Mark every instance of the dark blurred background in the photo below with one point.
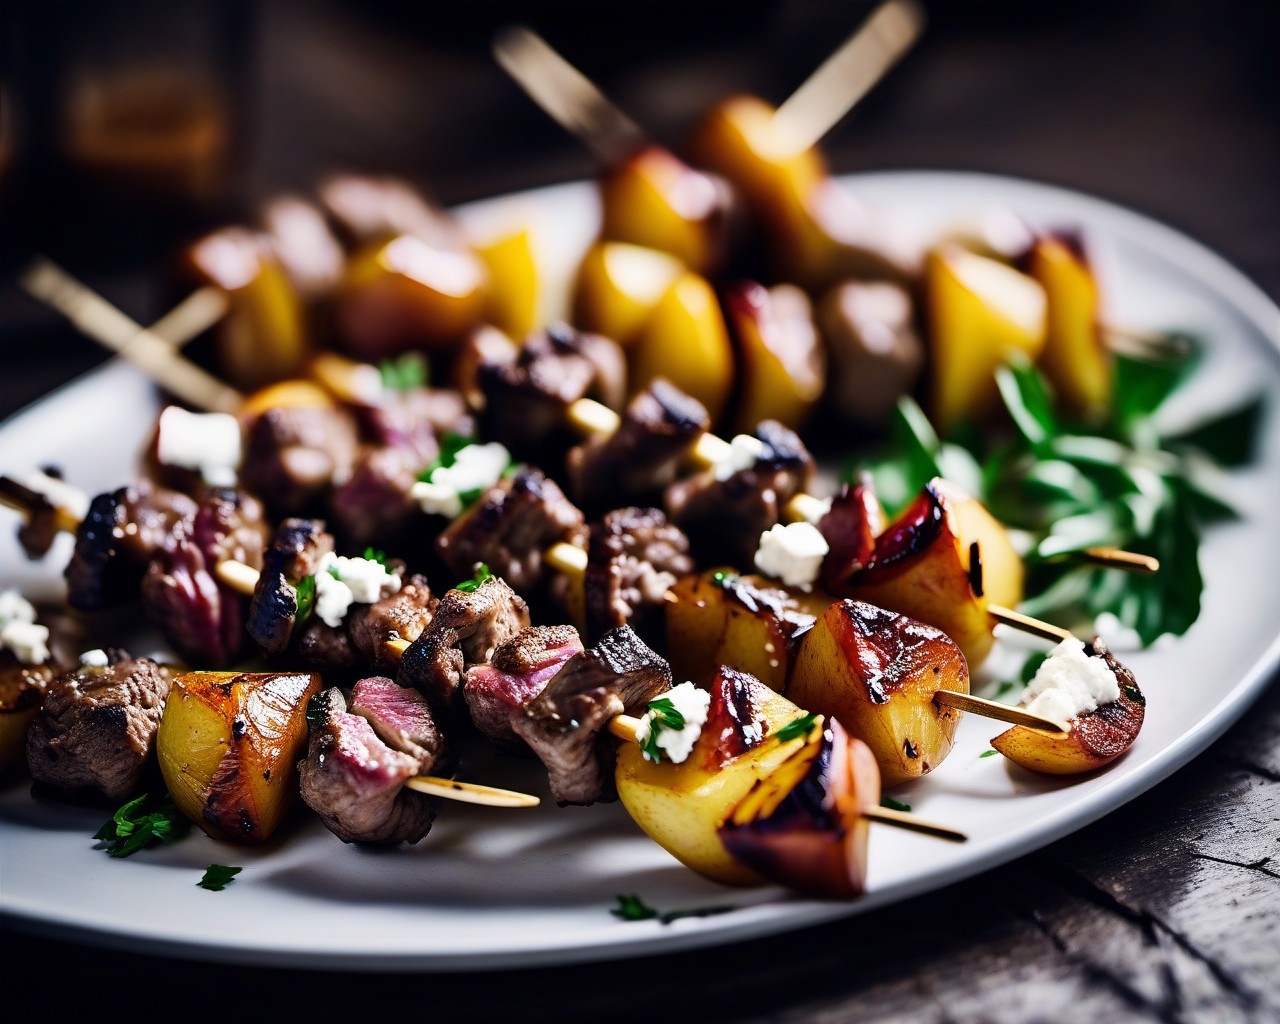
(127, 126)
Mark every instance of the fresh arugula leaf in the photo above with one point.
(140, 823)
(1026, 397)
(406, 373)
(218, 876)
(895, 805)
(632, 908)
(797, 728)
(1141, 386)
(1230, 439)
(305, 595)
(916, 441)
(472, 585)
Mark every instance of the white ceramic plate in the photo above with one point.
(494, 889)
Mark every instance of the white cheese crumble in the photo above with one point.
(475, 468)
(97, 658)
(206, 442)
(342, 582)
(19, 631)
(742, 454)
(692, 703)
(1070, 683)
(60, 493)
(792, 553)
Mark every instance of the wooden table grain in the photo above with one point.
(1166, 910)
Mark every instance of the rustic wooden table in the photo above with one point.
(1168, 909)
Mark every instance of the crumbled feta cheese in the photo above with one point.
(60, 493)
(97, 658)
(692, 703)
(475, 468)
(792, 553)
(743, 452)
(15, 607)
(206, 442)
(28, 640)
(342, 582)
(1070, 683)
(333, 599)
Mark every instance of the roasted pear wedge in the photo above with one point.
(943, 562)
(1093, 739)
(745, 622)
(229, 745)
(802, 825)
(682, 806)
(877, 673)
(513, 299)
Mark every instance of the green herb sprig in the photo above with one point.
(405, 373)
(632, 908)
(797, 728)
(140, 823)
(895, 805)
(663, 714)
(472, 585)
(218, 876)
(305, 589)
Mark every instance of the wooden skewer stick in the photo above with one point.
(848, 74)
(623, 727)
(1027, 624)
(566, 94)
(191, 317)
(993, 709)
(24, 499)
(1119, 558)
(100, 320)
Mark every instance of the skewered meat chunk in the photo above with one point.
(415, 420)
(293, 454)
(355, 781)
(520, 668)
(296, 552)
(509, 528)
(37, 532)
(567, 724)
(97, 726)
(121, 532)
(373, 503)
(876, 354)
(526, 399)
(724, 518)
(370, 209)
(467, 629)
(306, 249)
(202, 617)
(634, 556)
(850, 528)
(403, 616)
(402, 719)
(658, 429)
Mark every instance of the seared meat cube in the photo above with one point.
(299, 546)
(293, 455)
(322, 648)
(850, 528)
(509, 527)
(42, 524)
(468, 627)
(201, 617)
(724, 518)
(370, 209)
(521, 666)
(116, 541)
(305, 247)
(97, 726)
(485, 346)
(876, 353)
(374, 503)
(402, 616)
(415, 420)
(355, 782)
(657, 431)
(634, 557)
(525, 401)
(567, 726)
(402, 719)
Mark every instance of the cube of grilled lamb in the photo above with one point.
(116, 540)
(200, 616)
(724, 518)
(293, 455)
(567, 726)
(355, 782)
(525, 401)
(296, 552)
(521, 666)
(850, 527)
(402, 616)
(509, 527)
(468, 627)
(402, 719)
(637, 461)
(415, 419)
(97, 726)
(373, 503)
(634, 557)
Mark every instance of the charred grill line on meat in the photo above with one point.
(296, 552)
(634, 556)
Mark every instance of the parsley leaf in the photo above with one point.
(217, 876)
(141, 822)
(662, 714)
(1026, 397)
(407, 373)
(449, 448)
(372, 555)
(472, 585)
(305, 591)
(797, 728)
(894, 805)
(989, 752)
(632, 908)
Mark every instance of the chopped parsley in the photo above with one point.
(472, 585)
(797, 729)
(217, 876)
(449, 448)
(141, 822)
(1135, 695)
(407, 373)
(989, 752)
(371, 555)
(894, 805)
(662, 714)
(305, 591)
(632, 908)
